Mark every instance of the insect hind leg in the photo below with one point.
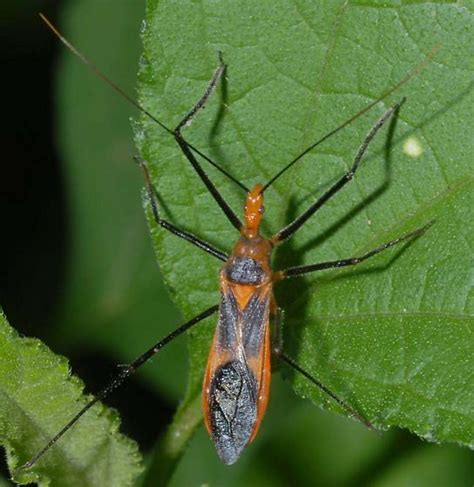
(277, 348)
(116, 381)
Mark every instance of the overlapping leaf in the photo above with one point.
(37, 397)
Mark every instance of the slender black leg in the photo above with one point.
(187, 149)
(201, 103)
(277, 339)
(278, 351)
(307, 269)
(291, 228)
(189, 117)
(190, 237)
(120, 378)
(177, 132)
(229, 213)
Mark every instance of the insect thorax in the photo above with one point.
(249, 263)
(243, 270)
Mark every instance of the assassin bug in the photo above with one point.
(237, 377)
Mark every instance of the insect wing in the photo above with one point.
(237, 378)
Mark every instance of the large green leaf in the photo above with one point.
(393, 337)
(38, 395)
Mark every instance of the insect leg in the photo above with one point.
(292, 227)
(188, 150)
(120, 378)
(201, 103)
(190, 237)
(277, 338)
(278, 351)
(307, 269)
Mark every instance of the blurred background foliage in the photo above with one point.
(79, 270)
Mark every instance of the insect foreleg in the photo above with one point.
(188, 150)
(201, 103)
(229, 213)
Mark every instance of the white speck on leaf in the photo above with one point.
(412, 147)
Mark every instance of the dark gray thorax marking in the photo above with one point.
(244, 270)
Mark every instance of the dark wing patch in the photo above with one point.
(229, 316)
(232, 392)
(233, 409)
(254, 322)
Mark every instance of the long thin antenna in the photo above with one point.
(414, 72)
(129, 99)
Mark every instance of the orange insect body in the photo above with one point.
(237, 379)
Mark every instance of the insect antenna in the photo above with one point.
(133, 102)
(411, 74)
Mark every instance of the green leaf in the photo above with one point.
(37, 397)
(393, 337)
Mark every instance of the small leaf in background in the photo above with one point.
(38, 396)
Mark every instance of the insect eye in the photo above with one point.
(261, 210)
